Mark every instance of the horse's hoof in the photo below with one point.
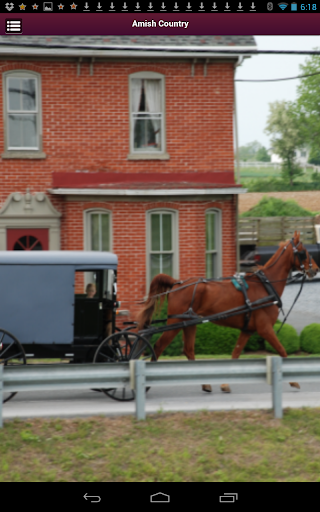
(294, 385)
(207, 388)
(225, 388)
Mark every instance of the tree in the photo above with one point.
(262, 155)
(249, 151)
(282, 125)
(308, 105)
(314, 156)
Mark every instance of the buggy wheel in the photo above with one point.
(123, 346)
(11, 354)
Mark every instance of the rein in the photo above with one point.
(295, 300)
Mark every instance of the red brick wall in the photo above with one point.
(86, 121)
(86, 127)
(129, 240)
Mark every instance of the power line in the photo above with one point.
(278, 79)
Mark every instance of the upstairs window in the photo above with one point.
(147, 117)
(22, 111)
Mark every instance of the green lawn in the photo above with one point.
(233, 446)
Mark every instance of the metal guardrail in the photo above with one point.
(139, 375)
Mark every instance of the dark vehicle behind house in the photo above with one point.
(259, 255)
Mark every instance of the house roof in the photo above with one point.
(122, 46)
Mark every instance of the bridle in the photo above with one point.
(301, 255)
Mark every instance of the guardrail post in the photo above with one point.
(1, 393)
(276, 369)
(140, 388)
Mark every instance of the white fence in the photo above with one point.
(276, 166)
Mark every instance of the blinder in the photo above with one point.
(301, 255)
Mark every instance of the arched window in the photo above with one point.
(213, 243)
(147, 109)
(162, 244)
(22, 106)
(98, 230)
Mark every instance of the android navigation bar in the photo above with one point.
(178, 6)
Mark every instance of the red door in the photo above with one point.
(27, 239)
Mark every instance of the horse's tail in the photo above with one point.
(159, 284)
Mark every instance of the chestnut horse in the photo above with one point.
(213, 297)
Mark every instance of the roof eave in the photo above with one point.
(125, 52)
(147, 192)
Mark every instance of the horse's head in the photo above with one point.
(301, 259)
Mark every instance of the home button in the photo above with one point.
(160, 497)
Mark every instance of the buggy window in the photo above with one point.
(94, 284)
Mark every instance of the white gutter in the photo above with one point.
(147, 192)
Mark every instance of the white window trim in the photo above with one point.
(20, 152)
(218, 228)
(87, 227)
(143, 155)
(175, 242)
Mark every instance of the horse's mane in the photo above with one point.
(274, 257)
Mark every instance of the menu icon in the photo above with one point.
(14, 26)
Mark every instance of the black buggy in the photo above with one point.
(46, 312)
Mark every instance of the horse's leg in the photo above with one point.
(268, 334)
(165, 340)
(266, 331)
(189, 338)
(241, 343)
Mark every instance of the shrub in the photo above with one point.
(288, 338)
(254, 343)
(310, 339)
(214, 339)
(272, 207)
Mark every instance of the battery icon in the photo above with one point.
(294, 6)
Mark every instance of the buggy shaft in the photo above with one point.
(218, 316)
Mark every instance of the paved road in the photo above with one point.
(307, 309)
(181, 398)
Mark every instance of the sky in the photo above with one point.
(253, 98)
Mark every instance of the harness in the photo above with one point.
(273, 297)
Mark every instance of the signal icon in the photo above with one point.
(283, 5)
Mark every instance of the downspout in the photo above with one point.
(238, 63)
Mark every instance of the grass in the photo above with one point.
(235, 446)
(263, 172)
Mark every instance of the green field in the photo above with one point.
(263, 172)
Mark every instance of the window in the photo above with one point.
(147, 113)
(22, 111)
(98, 231)
(97, 238)
(162, 241)
(213, 244)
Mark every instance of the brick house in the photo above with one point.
(122, 144)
